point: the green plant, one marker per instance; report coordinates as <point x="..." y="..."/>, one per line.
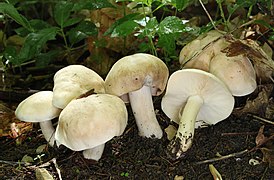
<point x="65" y="24"/>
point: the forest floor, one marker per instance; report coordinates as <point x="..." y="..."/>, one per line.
<point x="133" y="157"/>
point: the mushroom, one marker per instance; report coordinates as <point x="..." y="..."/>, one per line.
<point x="89" y="122"/>
<point x="191" y="56"/>
<point x="38" y="108"/>
<point x="139" y="76"/>
<point x="72" y="81"/>
<point x="194" y="95"/>
<point x="236" y="72"/>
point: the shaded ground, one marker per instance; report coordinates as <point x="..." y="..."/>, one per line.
<point x="133" y="157"/>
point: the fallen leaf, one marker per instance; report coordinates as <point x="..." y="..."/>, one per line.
<point x="43" y="174"/>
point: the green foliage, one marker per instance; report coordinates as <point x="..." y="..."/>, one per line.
<point x="60" y="28"/>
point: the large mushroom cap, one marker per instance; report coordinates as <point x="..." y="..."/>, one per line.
<point x="195" y="47"/>
<point x="132" y="72"/>
<point x="91" y="121"/>
<point x="236" y="72"/>
<point x="217" y="104"/>
<point x="37" y="108"/>
<point x="72" y="81"/>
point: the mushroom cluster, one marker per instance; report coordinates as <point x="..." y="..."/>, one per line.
<point x="211" y="52"/>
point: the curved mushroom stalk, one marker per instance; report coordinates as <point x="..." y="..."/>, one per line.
<point x="185" y="133"/>
<point x="48" y="131"/>
<point x="94" y="153"/>
<point x="143" y="110"/>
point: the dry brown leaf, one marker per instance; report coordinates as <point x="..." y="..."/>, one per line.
<point x="261" y="105"/>
<point x="266" y="145"/>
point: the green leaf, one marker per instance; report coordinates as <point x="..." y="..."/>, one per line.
<point x="150" y="27"/>
<point x="167" y="42"/>
<point x="115" y="30"/>
<point x="62" y="12"/>
<point x="82" y="31"/>
<point x="182" y="4"/>
<point x="71" y="21"/>
<point x="124" y="29"/>
<point x="44" y="59"/>
<point x="36" y="24"/>
<point x="10" y="54"/>
<point x="171" y="25"/>
<point x="92" y="5"/>
<point x="12" y="12"/>
<point x="34" y="44"/>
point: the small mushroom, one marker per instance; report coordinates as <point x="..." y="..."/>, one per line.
<point x="89" y="122"/>
<point x="193" y="95"/>
<point x="38" y="108"/>
<point x="72" y="81"/>
<point x="139" y="76"/>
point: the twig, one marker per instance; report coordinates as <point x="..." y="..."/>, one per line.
<point x="239" y="133"/>
<point x="15" y="163"/>
<point x="222" y="157"/>
<point x="208" y="15"/>
<point x="57" y="169"/>
<point x="262" y="119"/>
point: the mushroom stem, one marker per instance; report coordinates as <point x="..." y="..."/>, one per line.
<point x="94" y="153"/>
<point x="48" y="131"/>
<point x="143" y="110"/>
<point x="185" y="133"/>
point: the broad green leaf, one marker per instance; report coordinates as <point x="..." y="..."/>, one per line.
<point x="128" y="18"/>
<point x="44" y="59"/>
<point x="36" y="24"/>
<point x="34" y="43"/>
<point x="150" y="27"/>
<point x="71" y="21"/>
<point x="10" y="54"/>
<point x="171" y="25"/>
<point x="182" y="4"/>
<point x="124" y="29"/>
<point x="12" y="12"/>
<point x="92" y="5"/>
<point x="82" y="31"/>
<point x="167" y="42"/>
<point x="62" y="12"/>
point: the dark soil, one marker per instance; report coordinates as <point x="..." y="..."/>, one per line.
<point x="133" y="157"/>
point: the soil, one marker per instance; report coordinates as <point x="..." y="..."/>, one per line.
<point x="133" y="157"/>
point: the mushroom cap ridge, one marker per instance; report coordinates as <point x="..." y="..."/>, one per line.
<point x="218" y="101"/>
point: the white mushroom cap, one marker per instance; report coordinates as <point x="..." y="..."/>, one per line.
<point x="236" y="72"/>
<point x="91" y="121"/>
<point x="131" y="73"/>
<point x="72" y="81"/>
<point x="218" y="102"/>
<point x="195" y="47"/>
<point x="193" y="95"/>
<point x="38" y="108"/>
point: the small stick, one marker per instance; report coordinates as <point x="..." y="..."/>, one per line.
<point x="239" y="133"/>
<point x="262" y="119"/>
<point x="222" y="157"/>
<point x="208" y="15"/>
<point x="57" y="169"/>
